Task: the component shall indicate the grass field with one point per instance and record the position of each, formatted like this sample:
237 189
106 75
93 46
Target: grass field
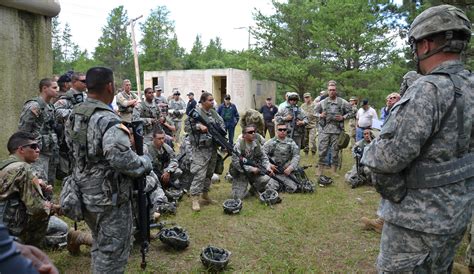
318 232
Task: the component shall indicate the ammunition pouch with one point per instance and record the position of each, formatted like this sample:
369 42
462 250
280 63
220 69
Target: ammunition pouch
392 187
343 140
70 200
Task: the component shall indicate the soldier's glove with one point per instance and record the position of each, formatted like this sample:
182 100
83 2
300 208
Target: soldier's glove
146 162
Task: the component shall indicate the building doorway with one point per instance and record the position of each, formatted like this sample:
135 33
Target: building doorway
219 88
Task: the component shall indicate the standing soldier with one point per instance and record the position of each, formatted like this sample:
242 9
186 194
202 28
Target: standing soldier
310 129
242 175
63 107
204 150
422 162
294 117
104 165
332 111
148 112
352 122
38 118
160 100
126 101
285 154
177 108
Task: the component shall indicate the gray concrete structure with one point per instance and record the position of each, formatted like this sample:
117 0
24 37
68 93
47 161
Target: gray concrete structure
238 83
26 56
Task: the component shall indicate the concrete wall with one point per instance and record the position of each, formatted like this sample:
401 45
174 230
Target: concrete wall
26 57
239 85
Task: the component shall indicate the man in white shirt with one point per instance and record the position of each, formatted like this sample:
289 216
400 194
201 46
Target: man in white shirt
365 115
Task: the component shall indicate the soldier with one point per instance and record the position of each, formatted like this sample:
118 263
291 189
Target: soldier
359 175
37 117
166 123
332 111
286 154
253 117
191 103
126 101
248 147
310 129
63 107
294 117
148 112
352 122
422 160
408 79
64 83
204 150
159 99
177 108
104 165
164 161
185 163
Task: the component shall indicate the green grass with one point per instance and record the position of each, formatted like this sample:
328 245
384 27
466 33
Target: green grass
318 232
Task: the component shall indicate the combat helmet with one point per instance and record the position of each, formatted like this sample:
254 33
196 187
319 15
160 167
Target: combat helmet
57 231
293 95
325 180
232 206
215 258
442 19
269 197
175 237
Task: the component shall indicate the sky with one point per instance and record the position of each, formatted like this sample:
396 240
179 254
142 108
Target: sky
208 18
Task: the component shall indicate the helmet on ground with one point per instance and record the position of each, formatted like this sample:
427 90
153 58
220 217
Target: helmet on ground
56 233
357 180
215 258
167 208
325 180
269 196
175 237
174 194
232 206
442 19
306 186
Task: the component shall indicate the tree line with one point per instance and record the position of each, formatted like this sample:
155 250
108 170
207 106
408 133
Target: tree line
303 44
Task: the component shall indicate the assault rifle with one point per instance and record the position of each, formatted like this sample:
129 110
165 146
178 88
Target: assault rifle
281 170
218 136
293 121
142 201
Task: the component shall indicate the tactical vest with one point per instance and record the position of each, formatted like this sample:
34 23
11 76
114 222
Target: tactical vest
128 109
81 115
257 153
331 113
280 151
160 161
74 98
48 126
12 210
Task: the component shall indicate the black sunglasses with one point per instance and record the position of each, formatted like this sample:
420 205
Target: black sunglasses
282 129
33 146
84 81
250 132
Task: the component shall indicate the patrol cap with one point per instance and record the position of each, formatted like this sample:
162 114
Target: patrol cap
227 97
190 93
353 98
64 78
157 87
307 94
176 92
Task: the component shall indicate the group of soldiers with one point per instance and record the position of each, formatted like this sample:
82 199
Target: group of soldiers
421 163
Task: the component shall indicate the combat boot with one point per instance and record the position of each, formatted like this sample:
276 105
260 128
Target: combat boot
373 224
319 171
75 239
206 200
195 206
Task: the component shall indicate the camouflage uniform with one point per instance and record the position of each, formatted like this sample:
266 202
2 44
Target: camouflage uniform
253 117
240 177
149 115
470 247
353 126
22 204
122 103
38 118
330 129
160 100
103 166
204 151
301 116
176 111
63 108
310 132
284 153
185 163
164 160
364 170
424 222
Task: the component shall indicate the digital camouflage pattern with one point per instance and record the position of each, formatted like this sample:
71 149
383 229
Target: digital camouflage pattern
103 172
253 117
185 163
470 247
310 129
164 160
148 113
25 212
38 117
242 176
204 151
401 146
280 117
285 153
177 108
125 111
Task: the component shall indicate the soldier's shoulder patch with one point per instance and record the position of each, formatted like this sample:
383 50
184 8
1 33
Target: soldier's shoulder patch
124 128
